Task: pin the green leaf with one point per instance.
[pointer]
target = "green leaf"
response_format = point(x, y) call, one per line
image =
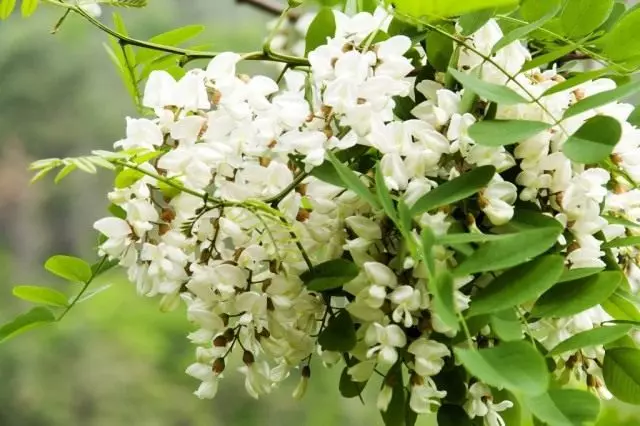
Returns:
point(326, 172)
point(383, 195)
point(594, 337)
point(353, 182)
point(43, 295)
point(340, 333)
point(497, 93)
point(439, 50)
point(621, 42)
point(458, 189)
point(453, 415)
point(68, 267)
point(581, 17)
point(576, 274)
point(395, 414)
point(506, 325)
point(35, 317)
point(516, 366)
point(404, 217)
point(170, 38)
point(472, 22)
point(518, 285)
point(330, 275)
point(549, 57)
point(64, 172)
point(578, 79)
point(621, 373)
point(464, 238)
point(622, 242)
point(594, 141)
point(127, 177)
point(603, 98)
point(565, 407)
point(434, 10)
point(509, 251)
point(615, 220)
point(347, 387)
point(505, 132)
point(521, 32)
point(620, 308)
point(443, 302)
point(6, 8)
point(573, 297)
point(28, 7)
point(634, 117)
point(322, 27)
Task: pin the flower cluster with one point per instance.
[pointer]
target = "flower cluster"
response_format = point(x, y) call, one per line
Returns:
point(233, 200)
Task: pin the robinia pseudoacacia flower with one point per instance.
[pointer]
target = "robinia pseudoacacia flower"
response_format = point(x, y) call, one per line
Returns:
point(462, 236)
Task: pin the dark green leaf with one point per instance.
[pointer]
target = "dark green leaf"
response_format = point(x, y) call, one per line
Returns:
point(42, 295)
point(330, 275)
point(68, 267)
point(509, 251)
point(353, 182)
point(516, 366)
point(340, 333)
point(573, 297)
point(634, 117)
point(581, 17)
point(439, 50)
point(505, 132)
point(322, 27)
point(455, 190)
point(383, 195)
point(603, 98)
point(443, 302)
point(594, 337)
point(497, 93)
point(395, 414)
point(621, 373)
point(565, 407)
point(453, 415)
point(507, 325)
point(327, 173)
point(34, 318)
point(518, 285)
point(348, 388)
point(594, 141)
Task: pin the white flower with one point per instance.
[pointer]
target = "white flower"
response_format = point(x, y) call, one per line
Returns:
point(480, 404)
point(407, 300)
point(384, 398)
point(383, 341)
point(429, 356)
point(91, 7)
point(497, 200)
point(425, 398)
point(257, 378)
point(141, 133)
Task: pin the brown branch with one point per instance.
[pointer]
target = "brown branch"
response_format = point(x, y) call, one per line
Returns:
point(269, 6)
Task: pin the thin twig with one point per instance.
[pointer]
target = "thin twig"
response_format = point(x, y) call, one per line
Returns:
point(85, 287)
point(272, 7)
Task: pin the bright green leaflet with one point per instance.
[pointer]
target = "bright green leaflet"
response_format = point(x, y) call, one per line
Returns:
point(581, 17)
point(506, 325)
point(516, 366)
point(34, 318)
point(43, 295)
point(521, 32)
point(435, 9)
point(505, 132)
point(565, 407)
point(68, 267)
point(594, 141)
point(621, 42)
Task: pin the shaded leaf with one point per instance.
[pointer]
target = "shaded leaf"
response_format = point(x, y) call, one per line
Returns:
point(353, 182)
point(340, 333)
point(621, 372)
point(330, 275)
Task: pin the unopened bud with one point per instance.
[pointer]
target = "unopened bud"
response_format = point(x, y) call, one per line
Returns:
point(229, 334)
point(167, 215)
point(303, 215)
point(248, 358)
point(218, 366)
point(416, 380)
point(220, 342)
point(301, 389)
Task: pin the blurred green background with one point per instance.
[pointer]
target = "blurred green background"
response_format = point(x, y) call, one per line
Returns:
point(115, 360)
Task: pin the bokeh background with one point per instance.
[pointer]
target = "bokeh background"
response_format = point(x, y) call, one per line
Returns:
point(115, 360)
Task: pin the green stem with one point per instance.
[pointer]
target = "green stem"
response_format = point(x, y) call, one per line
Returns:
point(85, 287)
point(280, 196)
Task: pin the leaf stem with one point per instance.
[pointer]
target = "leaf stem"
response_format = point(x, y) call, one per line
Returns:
point(85, 287)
